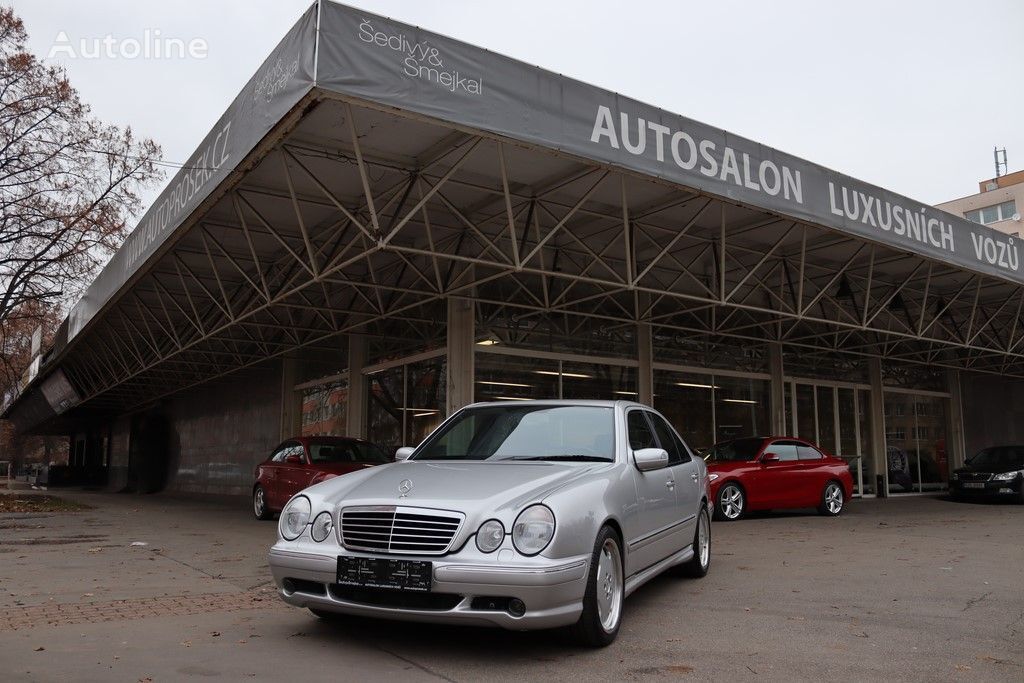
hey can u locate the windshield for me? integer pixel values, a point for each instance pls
(999, 459)
(736, 450)
(517, 432)
(345, 451)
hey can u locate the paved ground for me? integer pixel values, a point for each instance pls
(907, 589)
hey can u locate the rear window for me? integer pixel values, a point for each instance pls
(736, 450)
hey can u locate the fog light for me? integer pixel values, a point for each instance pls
(516, 607)
(1005, 490)
(288, 585)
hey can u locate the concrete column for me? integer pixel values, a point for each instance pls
(461, 337)
(291, 401)
(355, 405)
(955, 440)
(645, 370)
(777, 391)
(876, 447)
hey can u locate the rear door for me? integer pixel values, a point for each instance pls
(685, 472)
(658, 532)
(816, 469)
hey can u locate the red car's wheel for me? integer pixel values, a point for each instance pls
(731, 502)
(259, 503)
(832, 499)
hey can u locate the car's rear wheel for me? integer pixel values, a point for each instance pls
(832, 499)
(259, 503)
(698, 566)
(602, 601)
(731, 503)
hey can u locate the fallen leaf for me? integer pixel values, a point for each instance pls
(40, 648)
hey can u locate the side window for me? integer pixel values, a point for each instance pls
(640, 434)
(669, 441)
(281, 452)
(808, 453)
(786, 450)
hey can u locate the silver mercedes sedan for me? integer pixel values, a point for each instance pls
(525, 515)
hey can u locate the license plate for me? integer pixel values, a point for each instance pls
(381, 572)
(973, 485)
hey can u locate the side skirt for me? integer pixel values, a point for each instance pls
(645, 575)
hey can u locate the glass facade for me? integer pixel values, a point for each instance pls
(324, 409)
(405, 403)
(706, 409)
(915, 442)
(504, 377)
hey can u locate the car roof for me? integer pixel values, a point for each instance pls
(563, 402)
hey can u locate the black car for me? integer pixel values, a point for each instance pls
(997, 472)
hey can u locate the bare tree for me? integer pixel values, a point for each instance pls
(69, 184)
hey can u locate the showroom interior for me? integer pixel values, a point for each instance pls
(365, 268)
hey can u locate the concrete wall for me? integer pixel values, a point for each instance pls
(993, 410)
(219, 431)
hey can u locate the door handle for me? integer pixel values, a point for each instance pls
(670, 484)
(693, 475)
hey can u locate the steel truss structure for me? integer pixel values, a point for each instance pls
(364, 220)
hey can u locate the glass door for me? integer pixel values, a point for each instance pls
(915, 442)
(834, 418)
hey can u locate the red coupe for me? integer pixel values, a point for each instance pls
(774, 472)
(306, 460)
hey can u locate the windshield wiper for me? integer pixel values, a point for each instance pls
(566, 456)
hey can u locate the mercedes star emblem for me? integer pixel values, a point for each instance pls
(404, 487)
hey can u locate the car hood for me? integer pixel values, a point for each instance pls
(497, 489)
(343, 467)
(985, 469)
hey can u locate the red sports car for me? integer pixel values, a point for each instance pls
(306, 460)
(774, 472)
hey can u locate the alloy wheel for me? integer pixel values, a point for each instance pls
(704, 539)
(833, 498)
(259, 504)
(609, 585)
(731, 502)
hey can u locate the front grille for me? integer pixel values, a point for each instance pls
(975, 476)
(403, 530)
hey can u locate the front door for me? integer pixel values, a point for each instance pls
(777, 482)
(686, 474)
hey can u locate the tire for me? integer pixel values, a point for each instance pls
(259, 504)
(606, 588)
(698, 566)
(731, 503)
(833, 499)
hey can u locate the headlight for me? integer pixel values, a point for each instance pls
(533, 530)
(322, 526)
(489, 536)
(1006, 476)
(713, 476)
(294, 517)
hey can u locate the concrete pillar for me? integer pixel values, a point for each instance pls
(955, 440)
(876, 447)
(291, 401)
(777, 391)
(645, 370)
(461, 338)
(355, 404)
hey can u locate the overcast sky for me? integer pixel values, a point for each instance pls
(912, 96)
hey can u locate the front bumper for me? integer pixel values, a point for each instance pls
(552, 590)
(989, 489)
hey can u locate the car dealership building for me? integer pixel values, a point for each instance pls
(388, 224)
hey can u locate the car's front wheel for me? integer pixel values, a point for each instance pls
(832, 499)
(259, 503)
(602, 601)
(731, 502)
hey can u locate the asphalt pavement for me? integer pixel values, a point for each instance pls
(165, 588)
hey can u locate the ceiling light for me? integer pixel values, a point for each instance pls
(693, 385)
(554, 373)
(626, 393)
(429, 413)
(739, 400)
(512, 398)
(504, 384)
(490, 341)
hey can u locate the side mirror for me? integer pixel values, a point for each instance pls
(648, 459)
(293, 459)
(403, 453)
(769, 458)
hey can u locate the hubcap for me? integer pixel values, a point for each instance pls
(257, 502)
(704, 539)
(834, 498)
(609, 585)
(732, 502)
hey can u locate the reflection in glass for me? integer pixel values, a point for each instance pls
(384, 414)
(686, 401)
(741, 407)
(323, 409)
(826, 419)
